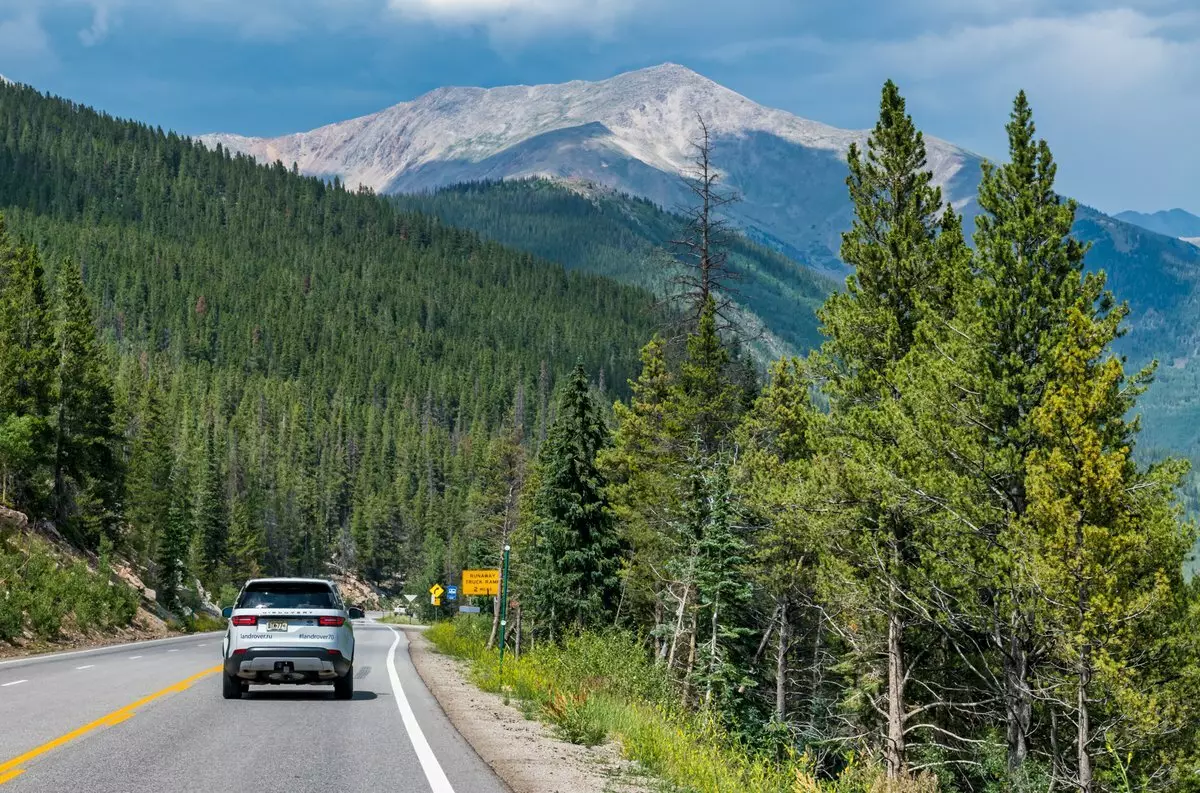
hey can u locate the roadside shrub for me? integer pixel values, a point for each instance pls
(41, 594)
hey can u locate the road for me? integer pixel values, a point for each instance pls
(149, 717)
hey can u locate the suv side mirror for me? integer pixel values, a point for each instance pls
(227, 612)
(356, 613)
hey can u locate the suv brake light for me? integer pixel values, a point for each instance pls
(330, 622)
(249, 620)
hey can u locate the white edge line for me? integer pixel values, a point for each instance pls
(89, 666)
(13, 683)
(429, 763)
(134, 657)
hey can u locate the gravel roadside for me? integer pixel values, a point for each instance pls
(526, 754)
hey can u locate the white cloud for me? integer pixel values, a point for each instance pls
(23, 40)
(99, 29)
(519, 19)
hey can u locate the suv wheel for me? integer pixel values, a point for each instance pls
(232, 688)
(343, 687)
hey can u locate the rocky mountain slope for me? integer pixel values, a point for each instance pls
(632, 133)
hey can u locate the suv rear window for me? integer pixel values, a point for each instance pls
(286, 595)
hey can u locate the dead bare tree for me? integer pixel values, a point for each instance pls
(700, 264)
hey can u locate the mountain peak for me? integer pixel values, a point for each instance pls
(633, 132)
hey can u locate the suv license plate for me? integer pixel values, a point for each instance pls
(277, 625)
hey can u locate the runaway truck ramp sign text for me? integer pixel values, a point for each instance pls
(481, 582)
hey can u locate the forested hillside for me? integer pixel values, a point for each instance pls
(596, 230)
(287, 372)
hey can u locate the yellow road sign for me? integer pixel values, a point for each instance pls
(435, 601)
(436, 590)
(481, 582)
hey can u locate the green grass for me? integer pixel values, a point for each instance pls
(398, 619)
(602, 687)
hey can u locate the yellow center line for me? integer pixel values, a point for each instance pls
(9, 770)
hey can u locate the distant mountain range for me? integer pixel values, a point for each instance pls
(1172, 222)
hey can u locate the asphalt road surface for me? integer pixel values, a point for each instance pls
(149, 718)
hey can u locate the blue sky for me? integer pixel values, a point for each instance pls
(1115, 84)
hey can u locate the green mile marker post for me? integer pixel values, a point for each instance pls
(503, 613)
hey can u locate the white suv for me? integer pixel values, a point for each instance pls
(289, 630)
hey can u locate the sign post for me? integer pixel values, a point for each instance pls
(503, 613)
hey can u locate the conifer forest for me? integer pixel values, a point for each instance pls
(929, 542)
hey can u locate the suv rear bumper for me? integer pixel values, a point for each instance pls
(304, 665)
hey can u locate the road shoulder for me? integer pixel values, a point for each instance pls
(524, 753)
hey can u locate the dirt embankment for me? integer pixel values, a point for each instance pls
(524, 753)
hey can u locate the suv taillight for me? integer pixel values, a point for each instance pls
(330, 622)
(247, 620)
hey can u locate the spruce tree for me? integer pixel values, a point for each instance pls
(710, 403)
(171, 560)
(577, 552)
(640, 467)
(26, 372)
(82, 414)
(148, 485)
(211, 519)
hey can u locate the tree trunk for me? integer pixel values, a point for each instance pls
(681, 612)
(517, 637)
(691, 661)
(1084, 736)
(1057, 774)
(1019, 699)
(660, 644)
(712, 656)
(781, 649)
(491, 642)
(895, 724)
(814, 703)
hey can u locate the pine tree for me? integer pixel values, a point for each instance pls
(723, 590)
(900, 278)
(576, 555)
(985, 368)
(82, 414)
(1107, 547)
